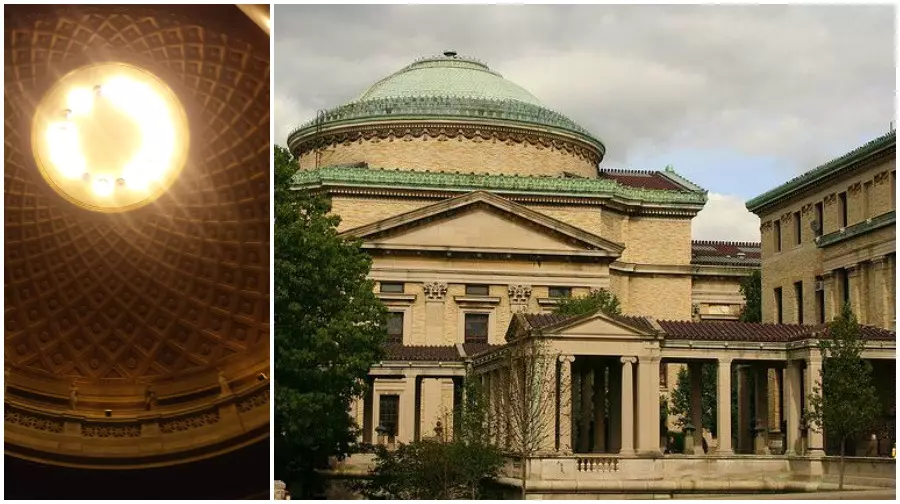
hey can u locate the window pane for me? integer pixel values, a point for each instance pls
(476, 327)
(395, 327)
(391, 287)
(388, 413)
(477, 290)
(560, 292)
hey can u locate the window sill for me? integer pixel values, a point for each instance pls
(477, 300)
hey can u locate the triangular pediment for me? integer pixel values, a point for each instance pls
(601, 326)
(483, 222)
(597, 325)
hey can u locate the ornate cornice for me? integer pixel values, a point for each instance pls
(553, 187)
(443, 131)
(879, 148)
(866, 226)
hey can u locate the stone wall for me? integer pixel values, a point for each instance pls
(455, 155)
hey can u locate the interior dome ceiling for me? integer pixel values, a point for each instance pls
(166, 295)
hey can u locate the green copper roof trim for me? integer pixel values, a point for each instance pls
(885, 219)
(836, 165)
(471, 182)
(467, 109)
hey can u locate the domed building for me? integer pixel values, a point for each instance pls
(137, 300)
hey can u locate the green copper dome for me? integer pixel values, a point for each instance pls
(447, 76)
(445, 88)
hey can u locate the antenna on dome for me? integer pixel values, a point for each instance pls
(450, 54)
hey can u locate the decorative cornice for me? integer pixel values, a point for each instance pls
(435, 291)
(830, 199)
(466, 182)
(881, 177)
(481, 112)
(854, 188)
(866, 226)
(785, 217)
(519, 294)
(881, 146)
(806, 208)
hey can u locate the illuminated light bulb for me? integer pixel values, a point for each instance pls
(102, 187)
(80, 101)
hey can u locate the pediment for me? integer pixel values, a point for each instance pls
(603, 327)
(597, 325)
(483, 222)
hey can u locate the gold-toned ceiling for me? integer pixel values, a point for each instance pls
(170, 294)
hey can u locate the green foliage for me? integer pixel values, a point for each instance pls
(844, 400)
(600, 299)
(328, 331)
(434, 470)
(681, 397)
(751, 289)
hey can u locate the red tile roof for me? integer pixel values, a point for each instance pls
(726, 253)
(642, 179)
(394, 352)
(541, 320)
(756, 332)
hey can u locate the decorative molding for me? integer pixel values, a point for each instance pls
(256, 400)
(111, 430)
(189, 422)
(628, 360)
(860, 228)
(806, 208)
(854, 188)
(882, 177)
(519, 294)
(435, 291)
(32, 421)
(765, 226)
(830, 199)
(786, 217)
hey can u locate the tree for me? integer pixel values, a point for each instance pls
(436, 470)
(751, 289)
(524, 406)
(329, 327)
(844, 400)
(681, 397)
(600, 299)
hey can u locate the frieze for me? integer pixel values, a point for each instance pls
(32, 421)
(881, 178)
(111, 430)
(435, 291)
(830, 199)
(854, 188)
(258, 399)
(358, 135)
(189, 422)
(806, 208)
(785, 217)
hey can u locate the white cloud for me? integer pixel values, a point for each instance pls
(725, 218)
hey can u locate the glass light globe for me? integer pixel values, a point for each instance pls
(110, 137)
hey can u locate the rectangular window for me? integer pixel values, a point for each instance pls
(388, 414)
(798, 237)
(477, 327)
(663, 375)
(392, 287)
(395, 327)
(893, 189)
(820, 300)
(842, 210)
(867, 198)
(778, 306)
(478, 290)
(778, 236)
(845, 289)
(820, 220)
(798, 295)
(560, 292)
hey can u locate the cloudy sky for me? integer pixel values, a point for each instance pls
(738, 99)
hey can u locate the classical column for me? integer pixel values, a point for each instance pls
(406, 429)
(585, 413)
(815, 440)
(792, 391)
(832, 305)
(615, 408)
(723, 397)
(695, 373)
(600, 408)
(761, 423)
(775, 381)
(854, 276)
(627, 406)
(648, 405)
(883, 282)
(744, 390)
(565, 404)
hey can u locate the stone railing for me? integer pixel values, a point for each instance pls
(597, 464)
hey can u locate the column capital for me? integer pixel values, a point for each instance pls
(725, 361)
(566, 358)
(628, 360)
(852, 270)
(879, 261)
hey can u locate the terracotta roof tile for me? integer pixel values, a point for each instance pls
(756, 332)
(476, 348)
(641, 179)
(394, 352)
(726, 253)
(541, 320)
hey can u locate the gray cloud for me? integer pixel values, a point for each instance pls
(799, 84)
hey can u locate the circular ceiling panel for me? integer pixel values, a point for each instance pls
(110, 136)
(146, 328)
